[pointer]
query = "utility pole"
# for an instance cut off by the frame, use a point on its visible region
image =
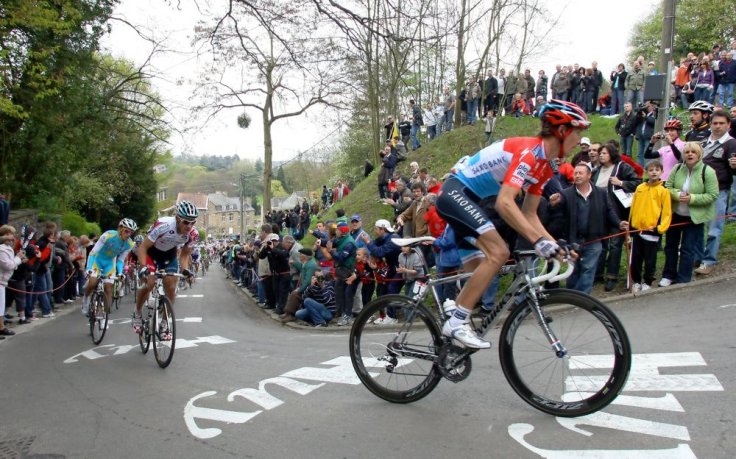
(665, 60)
(242, 202)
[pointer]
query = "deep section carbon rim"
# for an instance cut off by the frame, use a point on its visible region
(593, 369)
(396, 362)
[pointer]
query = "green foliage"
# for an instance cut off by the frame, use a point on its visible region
(80, 131)
(93, 228)
(698, 25)
(75, 223)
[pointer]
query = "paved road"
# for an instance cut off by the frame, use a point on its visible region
(242, 385)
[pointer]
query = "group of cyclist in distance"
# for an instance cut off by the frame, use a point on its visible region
(167, 246)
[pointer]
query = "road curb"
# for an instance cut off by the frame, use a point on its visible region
(672, 288)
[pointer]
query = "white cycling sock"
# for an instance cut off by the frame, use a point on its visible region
(460, 316)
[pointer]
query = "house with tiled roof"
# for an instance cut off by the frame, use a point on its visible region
(225, 215)
(198, 199)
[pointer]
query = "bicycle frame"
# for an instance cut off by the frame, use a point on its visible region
(521, 287)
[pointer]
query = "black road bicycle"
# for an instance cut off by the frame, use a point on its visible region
(563, 352)
(159, 325)
(99, 313)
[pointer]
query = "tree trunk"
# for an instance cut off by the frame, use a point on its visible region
(460, 64)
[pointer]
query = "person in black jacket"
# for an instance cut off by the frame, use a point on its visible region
(625, 127)
(647, 117)
(490, 91)
(278, 260)
(587, 212)
(618, 178)
(618, 88)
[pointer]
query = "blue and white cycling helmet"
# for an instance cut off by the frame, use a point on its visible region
(187, 210)
(129, 224)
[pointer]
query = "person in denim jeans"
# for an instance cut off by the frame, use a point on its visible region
(449, 110)
(416, 122)
(586, 209)
(719, 152)
(693, 191)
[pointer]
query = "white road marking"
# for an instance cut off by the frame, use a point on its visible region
(93, 354)
(190, 296)
(728, 306)
(519, 431)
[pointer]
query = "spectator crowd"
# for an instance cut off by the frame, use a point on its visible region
(674, 195)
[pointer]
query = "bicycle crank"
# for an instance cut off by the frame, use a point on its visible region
(454, 362)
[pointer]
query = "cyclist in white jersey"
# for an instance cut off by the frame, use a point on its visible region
(503, 169)
(160, 250)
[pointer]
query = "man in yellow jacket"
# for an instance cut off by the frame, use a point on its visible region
(651, 214)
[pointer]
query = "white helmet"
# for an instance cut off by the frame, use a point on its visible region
(129, 224)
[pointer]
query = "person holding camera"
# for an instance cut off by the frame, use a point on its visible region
(647, 117)
(342, 251)
(670, 154)
(319, 300)
(278, 260)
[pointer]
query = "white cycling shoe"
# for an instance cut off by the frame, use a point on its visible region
(464, 335)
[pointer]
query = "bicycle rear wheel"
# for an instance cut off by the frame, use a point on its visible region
(98, 318)
(396, 365)
(592, 372)
(163, 332)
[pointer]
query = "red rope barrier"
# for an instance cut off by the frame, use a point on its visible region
(74, 271)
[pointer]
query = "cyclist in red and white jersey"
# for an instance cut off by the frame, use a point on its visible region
(504, 169)
(160, 250)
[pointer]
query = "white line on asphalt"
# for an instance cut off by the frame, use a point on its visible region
(727, 306)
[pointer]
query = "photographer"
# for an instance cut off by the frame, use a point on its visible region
(646, 115)
(278, 259)
(319, 301)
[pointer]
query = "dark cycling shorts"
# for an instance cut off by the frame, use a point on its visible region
(460, 207)
(167, 261)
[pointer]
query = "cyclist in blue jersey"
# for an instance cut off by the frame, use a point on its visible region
(503, 169)
(107, 258)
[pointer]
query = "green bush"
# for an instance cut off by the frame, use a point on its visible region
(77, 225)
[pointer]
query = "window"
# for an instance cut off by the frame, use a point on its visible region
(231, 216)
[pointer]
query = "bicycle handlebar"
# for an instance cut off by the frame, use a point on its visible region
(554, 275)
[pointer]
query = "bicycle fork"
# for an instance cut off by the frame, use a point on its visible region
(543, 322)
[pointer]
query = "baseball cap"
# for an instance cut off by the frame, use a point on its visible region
(585, 141)
(272, 237)
(355, 218)
(382, 223)
(306, 251)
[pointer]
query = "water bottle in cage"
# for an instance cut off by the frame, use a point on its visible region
(419, 287)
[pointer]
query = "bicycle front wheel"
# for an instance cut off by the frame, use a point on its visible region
(163, 332)
(116, 294)
(583, 379)
(98, 318)
(396, 362)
